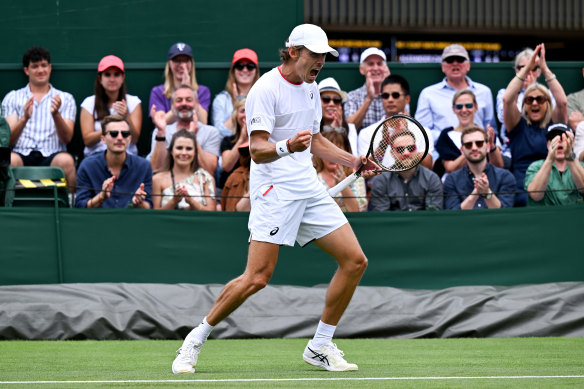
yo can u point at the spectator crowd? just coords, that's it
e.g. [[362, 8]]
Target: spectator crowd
[[523, 148]]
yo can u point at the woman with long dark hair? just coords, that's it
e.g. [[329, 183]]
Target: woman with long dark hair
[[110, 98]]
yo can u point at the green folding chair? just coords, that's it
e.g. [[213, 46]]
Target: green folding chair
[[38, 186]]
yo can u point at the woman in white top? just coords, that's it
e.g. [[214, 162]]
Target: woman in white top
[[110, 97]]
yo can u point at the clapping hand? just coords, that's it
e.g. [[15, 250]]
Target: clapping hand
[[139, 196], [121, 108]]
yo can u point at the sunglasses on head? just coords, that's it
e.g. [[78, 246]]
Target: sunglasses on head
[[327, 99], [468, 145], [453, 59], [115, 133], [395, 95], [519, 67], [402, 149], [530, 99], [460, 106], [249, 66]]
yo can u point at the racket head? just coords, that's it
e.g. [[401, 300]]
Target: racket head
[[398, 143]]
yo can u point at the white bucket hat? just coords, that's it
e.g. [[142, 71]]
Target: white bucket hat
[[331, 85]]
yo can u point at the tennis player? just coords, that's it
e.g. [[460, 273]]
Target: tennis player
[[288, 203]]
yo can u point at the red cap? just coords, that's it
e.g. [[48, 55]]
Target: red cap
[[108, 62], [245, 54]]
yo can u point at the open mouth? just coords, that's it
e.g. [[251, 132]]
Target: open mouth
[[314, 72]]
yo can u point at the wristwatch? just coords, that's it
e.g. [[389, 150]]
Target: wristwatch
[[571, 157], [488, 195]]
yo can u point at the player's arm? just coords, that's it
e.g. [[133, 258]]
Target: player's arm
[[325, 149], [264, 151]]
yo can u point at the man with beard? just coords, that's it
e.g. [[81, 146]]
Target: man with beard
[[114, 178], [363, 106], [434, 109], [479, 184], [415, 189], [288, 203], [183, 104]]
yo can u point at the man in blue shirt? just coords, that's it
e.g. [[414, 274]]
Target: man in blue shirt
[[434, 110], [478, 184], [114, 178]]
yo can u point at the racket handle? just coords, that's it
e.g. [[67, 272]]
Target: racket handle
[[335, 190]]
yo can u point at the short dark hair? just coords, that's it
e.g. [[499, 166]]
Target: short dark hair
[[35, 54], [285, 55], [474, 128], [112, 119], [397, 79]]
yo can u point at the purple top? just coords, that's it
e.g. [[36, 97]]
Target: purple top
[[158, 98]]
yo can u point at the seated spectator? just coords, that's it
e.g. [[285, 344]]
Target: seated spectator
[[364, 106], [332, 98], [114, 178], [448, 145], [179, 70], [182, 184], [110, 98], [559, 178], [244, 72], [521, 61], [184, 101], [41, 118], [395, 95], [526, 129], [576, 120], [415, 189], [434, 104], [354, 197], [478, 184], [230, 153], [235, 194]]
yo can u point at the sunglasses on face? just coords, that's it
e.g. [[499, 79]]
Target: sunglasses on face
[[530, 99], [395, 95], [519, 67], [468, 145], [115, 133], [327, 99], [249, 66], [451, 60], [458, 107], [402, 149]]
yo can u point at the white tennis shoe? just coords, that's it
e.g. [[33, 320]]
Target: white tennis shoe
[[328, 357], [186, 357]]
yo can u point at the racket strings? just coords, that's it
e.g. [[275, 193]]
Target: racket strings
[[398, 144]]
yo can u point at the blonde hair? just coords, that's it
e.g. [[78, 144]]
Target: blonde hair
[[548, 112], [236, 106], [169, 79], [465, 92]]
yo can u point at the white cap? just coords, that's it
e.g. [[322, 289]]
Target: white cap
[[331, 85], [312, 37], [372, 51]]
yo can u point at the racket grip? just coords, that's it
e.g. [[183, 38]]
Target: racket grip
[[335, 190]]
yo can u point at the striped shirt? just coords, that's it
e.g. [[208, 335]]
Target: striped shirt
[[40, 132]]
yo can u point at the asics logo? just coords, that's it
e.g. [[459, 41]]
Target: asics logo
[[321, 357], [274, 231]]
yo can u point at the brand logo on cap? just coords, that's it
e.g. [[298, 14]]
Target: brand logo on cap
[[180, 46]]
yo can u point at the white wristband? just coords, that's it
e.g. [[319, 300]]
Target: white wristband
[[282, 148]]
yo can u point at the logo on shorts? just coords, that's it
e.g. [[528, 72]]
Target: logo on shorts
[[274, 231]]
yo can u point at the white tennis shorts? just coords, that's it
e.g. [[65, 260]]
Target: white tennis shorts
[[284, 221]]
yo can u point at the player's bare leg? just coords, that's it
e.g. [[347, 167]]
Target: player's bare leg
[[342, 244], [261, 261]]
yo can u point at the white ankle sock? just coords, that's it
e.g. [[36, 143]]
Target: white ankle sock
[[324, 334], [200, 332]]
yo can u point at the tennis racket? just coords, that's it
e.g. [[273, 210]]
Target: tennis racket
[[399, 143]]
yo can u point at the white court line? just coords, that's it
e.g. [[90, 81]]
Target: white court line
[[296, 379]]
